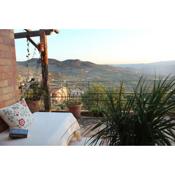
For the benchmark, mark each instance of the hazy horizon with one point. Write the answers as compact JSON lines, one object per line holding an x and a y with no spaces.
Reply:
{"x":109,"y":63}
{"x":106,"y":46}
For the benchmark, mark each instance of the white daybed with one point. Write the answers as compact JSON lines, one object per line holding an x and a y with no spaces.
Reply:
{"x":48,"y":128}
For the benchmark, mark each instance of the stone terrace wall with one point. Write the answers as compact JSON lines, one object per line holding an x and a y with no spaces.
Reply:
{"x":8,"y":88}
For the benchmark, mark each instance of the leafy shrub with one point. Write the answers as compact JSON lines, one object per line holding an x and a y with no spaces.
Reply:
{"x":93,"y":99}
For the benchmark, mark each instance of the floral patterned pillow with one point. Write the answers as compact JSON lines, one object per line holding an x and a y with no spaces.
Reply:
{"x":17,"y":115}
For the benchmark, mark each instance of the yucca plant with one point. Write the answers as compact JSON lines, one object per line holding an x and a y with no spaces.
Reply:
{"x":153,"y":105}
{"x":115,"y":127}
{"x":142,"y":119}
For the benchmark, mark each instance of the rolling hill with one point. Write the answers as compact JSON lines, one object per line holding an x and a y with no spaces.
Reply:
{"x":78,"y":70}
{"x":158,"y":68}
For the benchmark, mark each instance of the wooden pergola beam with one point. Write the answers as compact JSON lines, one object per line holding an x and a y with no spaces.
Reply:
{"x":36,"y":45}
{"x":34,"y":33}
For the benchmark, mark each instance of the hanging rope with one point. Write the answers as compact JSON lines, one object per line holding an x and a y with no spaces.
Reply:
{"x":28,"y":81}
{"x":29,"y":58}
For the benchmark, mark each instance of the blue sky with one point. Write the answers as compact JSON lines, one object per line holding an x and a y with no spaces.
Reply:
{"x":107,"y":46}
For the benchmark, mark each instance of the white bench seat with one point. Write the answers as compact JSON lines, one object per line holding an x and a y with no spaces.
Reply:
{"x":48,"y":128}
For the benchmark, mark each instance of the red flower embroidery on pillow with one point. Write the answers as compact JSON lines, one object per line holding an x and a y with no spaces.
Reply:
{"x":21,"y":122}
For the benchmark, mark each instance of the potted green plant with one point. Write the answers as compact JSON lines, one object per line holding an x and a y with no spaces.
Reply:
{"x":32,"y":95}
{"x":74,"y":106}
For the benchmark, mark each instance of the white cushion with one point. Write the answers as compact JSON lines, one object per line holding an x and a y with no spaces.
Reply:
{"x":48,"y":128}
{"x":17,"y":115}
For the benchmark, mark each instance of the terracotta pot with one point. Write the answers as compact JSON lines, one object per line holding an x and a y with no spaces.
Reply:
{"x":34,"y":106}
{"x":75,"y":110}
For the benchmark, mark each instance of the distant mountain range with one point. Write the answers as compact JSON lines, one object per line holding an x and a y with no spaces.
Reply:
{"x":78,"y":70}
{"x":158,"y":68}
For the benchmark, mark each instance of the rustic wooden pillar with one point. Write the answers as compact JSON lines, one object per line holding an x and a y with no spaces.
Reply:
{"x":44,"y":65}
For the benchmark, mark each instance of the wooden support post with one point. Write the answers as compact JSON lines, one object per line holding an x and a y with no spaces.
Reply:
{"x":44,"y":65}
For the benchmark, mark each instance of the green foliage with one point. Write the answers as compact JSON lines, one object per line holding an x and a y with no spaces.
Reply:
{"x":142,"y":119}
{"x":73,"y":102}
{"x":33,"y":92}
{"x":61,"y":106}
{"x":93,"y":99}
